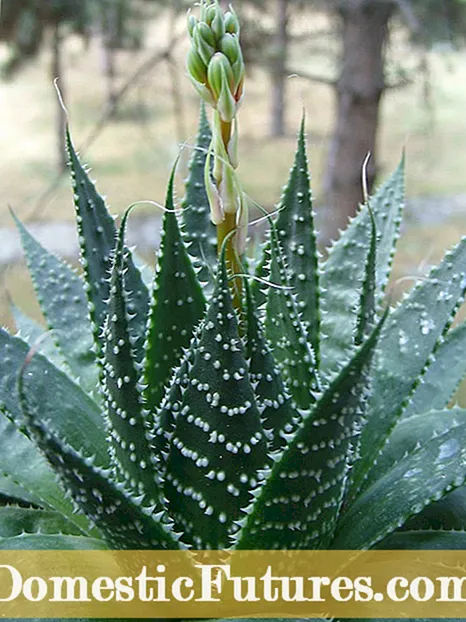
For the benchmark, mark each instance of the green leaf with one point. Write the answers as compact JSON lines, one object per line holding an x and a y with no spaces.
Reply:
{"x":443,"y":375}
{"x":299,"y":503}
{"x":425,"y":540}
{"x":177,"y":307}
{"x":343,"y":272}
{"x":48,"y":542}
{"x":125,"y":522}
{"x":419,"y":478}
{"x":164,"y":419}
{"x":14,"y":492}
{"x":410,"y":434}
{"x":127,"y":423}
{"x":67,"y":409}
{"x":218,"y":444}
{"x":15,"y":521}
{"x":278,"y":415}
{"x":286,"y":332}
{"x":295,"y":228}
{"x":199,"y":230}
{"x":367,"y":305}
{"x":411,"y":333}
{"x":63,"y":302}
{"x":448,"y":513}
{"x":97,"y":238}
{"x":34,"y":334}
{"x":22,"y":463}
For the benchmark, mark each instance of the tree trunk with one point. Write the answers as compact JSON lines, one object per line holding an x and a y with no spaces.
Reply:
{"x":109,"y":25}
{"x":359,"y":91}
{"x":57,"y":74}
{"x":278,"y":65}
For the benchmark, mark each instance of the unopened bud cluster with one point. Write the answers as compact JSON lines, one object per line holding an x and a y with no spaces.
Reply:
{"x":215,"y":61}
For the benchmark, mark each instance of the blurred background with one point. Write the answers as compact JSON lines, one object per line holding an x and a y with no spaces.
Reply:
{"x":371,"y":75}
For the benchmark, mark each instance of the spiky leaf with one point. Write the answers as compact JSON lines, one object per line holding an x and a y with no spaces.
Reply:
{"x":443,"y":376}
{"x":35,"y":335}
{"x":410,"y":335}
{"x":125,"y":523}
{"x":63,"y":302}
{"x":51,"y":542}
{"x":425,"y":540}
{"x":299,"y":504}
{"x":177,"y":307}
{"x":295,"y":229}
{"x":343,"y":272}
{"x":97,"y":238}
{"x":278,"y":415}
{"x":68,"y":411}
{"x":422,"y":476}
{"x":21,"y":461}
{"x":410,"y":434}
{"x":126,"y":416}
{"x":286,"y":332}
{"x":199,"y":230}
{"x":218,"y":444}
{"x":15,"y":521}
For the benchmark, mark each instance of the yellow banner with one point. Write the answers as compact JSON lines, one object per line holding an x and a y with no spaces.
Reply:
{"x":216,"y":584}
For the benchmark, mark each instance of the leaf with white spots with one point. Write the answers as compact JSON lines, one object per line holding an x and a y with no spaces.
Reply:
{"x":443,"y":376}
{"x":177,"y":307}
{"x":343,"y":272}
{"x":218,"y":445}
{"x":23,"y":464}
{"x":127,"y":417}
{"x":199,"y":230}
{"x":97,"y":239}
{"x":299,"y":503}
{"x":422,"y":476}
{"x":295,"y":229}
{"x":72,"y":414}
{"x":287,"y":333}
{"x":62,"y":299}
{"x":279,"y":417}
{"x":125,"y":522}
{"x":411,"y":334}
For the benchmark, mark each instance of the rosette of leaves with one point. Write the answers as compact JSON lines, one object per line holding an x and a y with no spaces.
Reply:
{"x":151,"y":416}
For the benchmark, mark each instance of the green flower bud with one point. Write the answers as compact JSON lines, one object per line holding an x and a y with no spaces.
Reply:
{"x":229,"y":45}
{"x":217,"y":25}
{"x":203,"y":47}
{"x":226,"y":104}
{"x":192,"y":23}
{"x":209,"y":14}
{"x":206,"y":34}
{"x":231,"y":22}
{"x":219,"y":74}
{"x":196,"y":67}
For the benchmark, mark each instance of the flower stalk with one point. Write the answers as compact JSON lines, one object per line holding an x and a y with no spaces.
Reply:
{"x":216,"y":69}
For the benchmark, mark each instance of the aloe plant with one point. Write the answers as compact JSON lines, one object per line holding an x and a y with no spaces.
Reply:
{"x":295,"y":410}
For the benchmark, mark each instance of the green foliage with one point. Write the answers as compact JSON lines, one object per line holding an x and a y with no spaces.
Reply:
{"x":170,"y":418}
{"x":191,"y":427}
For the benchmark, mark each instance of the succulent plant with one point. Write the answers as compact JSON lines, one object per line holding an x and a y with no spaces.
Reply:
{"x":292,"y":413}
